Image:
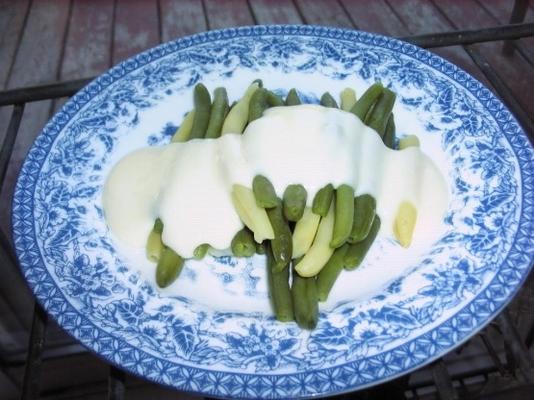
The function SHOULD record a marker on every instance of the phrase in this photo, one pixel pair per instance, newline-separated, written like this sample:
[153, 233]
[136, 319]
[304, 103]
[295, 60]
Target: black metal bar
[506, 95]
[32, 373]
[518, 15]
[42, 92]
[9, 139]
[520, 352]
[463, 37]
[530, 337]
[493, 354]
[443, 381]
[116, 384]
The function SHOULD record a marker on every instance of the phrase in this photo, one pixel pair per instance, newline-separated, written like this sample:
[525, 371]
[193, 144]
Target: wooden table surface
[43, 41]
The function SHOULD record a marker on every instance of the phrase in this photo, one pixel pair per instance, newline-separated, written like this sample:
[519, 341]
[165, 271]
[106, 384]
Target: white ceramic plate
[218, 337]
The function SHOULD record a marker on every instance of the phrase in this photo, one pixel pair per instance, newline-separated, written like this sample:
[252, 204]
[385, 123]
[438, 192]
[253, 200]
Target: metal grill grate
[518, 370]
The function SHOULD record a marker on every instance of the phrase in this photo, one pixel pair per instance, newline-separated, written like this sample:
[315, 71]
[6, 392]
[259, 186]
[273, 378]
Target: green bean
[282, 244]
[409, 141]
[322, 200]
[279, 289]
[348, 99]
[292, 98]
[169, 267]
[264, 192]
[330, 272]
[357, 251]
[304, 232]
[183, 133]
[243, 244]
[154, 244]
[344, 215]
[258, 104]
[260, 248]
[378, 117]
[273, 99]
[389, 136]
[294, 202]
[368, 99]
[259, 82]
[328, 101]
[219, 110]
[305, 305]
[237, 117]
[200, 251]
[364, 215]
[202, 101]
[252, 215]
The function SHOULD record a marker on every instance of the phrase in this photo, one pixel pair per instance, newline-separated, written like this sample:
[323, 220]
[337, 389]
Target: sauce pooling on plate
[188, 185]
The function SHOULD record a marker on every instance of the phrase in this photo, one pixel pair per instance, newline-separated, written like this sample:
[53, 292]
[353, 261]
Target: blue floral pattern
[73, 267]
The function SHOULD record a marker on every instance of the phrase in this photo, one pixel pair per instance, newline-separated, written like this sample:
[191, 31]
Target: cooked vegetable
[253, 216]
[367, 101]
[328, 101]
[281, 245]
[320, 251]
[169, 267]
[219, 110]
[389, 136]
[279, 289]
[260, 248]
[243, 244]
[274, 100]
[378, 117]
[304, 295]
[264, 192]
[154, 244]
[404, 224]
[304, 232]
[348, 99]
[328, 275]
[184, 131]
[258, 104]
[237, 118]
[292, 98]
[294, 202]
[200, 252]
[364, 215]
[408, 141]
[322, 200]
[357, 251]
[202, 100]
[344, 215]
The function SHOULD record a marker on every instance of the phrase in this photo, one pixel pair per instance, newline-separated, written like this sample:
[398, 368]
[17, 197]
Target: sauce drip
[188, 185]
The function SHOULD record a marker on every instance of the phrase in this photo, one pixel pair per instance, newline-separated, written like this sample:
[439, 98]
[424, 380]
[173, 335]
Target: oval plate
[218, 337]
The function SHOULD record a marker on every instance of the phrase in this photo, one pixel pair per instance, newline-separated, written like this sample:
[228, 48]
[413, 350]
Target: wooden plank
[12, 18]
[375, 16]
[227, 13]
[88, 44]
[421, 17]
[501, 10]
[514, 70]
[275, 12]
[136, 28]
[11, 25]
[37, 60]
[324, 12]
[181, 18]
[41, 46]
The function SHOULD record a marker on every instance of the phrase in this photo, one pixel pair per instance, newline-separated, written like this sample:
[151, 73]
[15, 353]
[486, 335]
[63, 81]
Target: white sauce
[188, 185]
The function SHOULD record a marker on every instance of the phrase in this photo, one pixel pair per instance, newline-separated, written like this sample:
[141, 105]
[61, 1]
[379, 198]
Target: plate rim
[54, 126]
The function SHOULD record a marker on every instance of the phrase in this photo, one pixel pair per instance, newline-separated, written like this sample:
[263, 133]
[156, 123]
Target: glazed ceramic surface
[215, 333]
